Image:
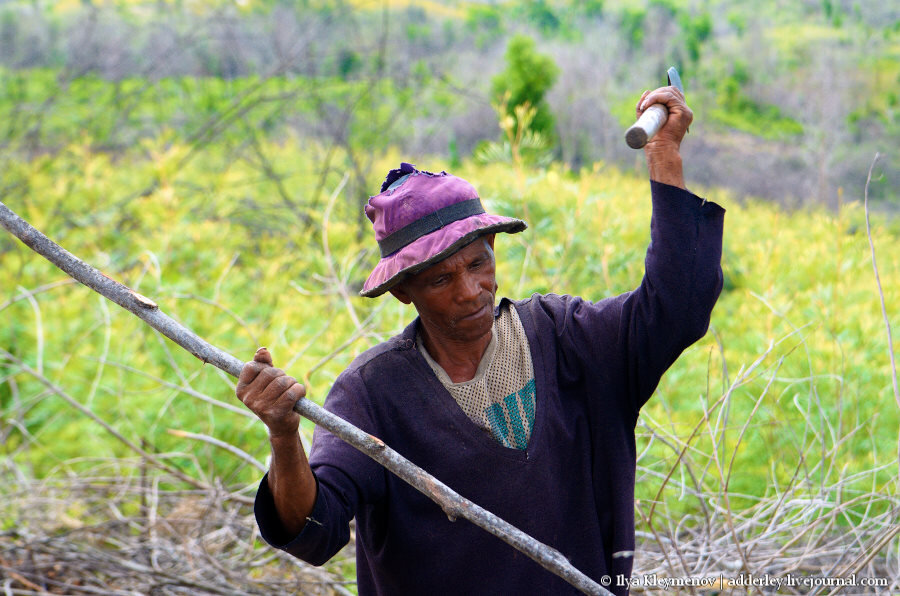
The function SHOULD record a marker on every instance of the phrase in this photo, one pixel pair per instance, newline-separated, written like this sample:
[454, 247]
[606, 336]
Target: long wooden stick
[453, 504]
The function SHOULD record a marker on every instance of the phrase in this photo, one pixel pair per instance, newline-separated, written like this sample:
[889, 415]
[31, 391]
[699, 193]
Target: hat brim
[431, 248]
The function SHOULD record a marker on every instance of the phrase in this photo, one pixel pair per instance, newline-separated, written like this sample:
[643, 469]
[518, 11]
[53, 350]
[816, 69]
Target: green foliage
[878, 109]
[667, 7]
[348, 62]
[632, 26]
[41, 111]
[589, 8]
[541, 14]
[832, 12]
[527, 78]
[736, 110]
[485, 16]
[738, 21]
[417, 32]
[787, 45]
[486, 20]
[205, 246]
[522, 144]
[696, 31]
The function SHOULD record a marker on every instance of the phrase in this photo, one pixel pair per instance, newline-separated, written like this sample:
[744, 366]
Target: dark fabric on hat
[429, 223]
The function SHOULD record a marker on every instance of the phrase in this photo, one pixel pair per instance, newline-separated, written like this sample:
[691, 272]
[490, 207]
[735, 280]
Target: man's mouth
[475, 314]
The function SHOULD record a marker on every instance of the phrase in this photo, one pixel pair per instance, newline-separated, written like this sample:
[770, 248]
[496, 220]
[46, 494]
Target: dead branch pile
[114, 533]
[125, 529]
[783, 541]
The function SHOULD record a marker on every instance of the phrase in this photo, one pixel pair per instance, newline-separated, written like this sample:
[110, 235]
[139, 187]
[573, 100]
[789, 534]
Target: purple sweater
[595, 365]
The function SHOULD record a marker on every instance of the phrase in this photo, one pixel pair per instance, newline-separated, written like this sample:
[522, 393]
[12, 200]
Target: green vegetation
[767, 78]
[526, 80]
[741, 113]
[216, 247]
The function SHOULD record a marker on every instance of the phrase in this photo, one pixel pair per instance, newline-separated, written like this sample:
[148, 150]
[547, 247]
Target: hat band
[427, 224]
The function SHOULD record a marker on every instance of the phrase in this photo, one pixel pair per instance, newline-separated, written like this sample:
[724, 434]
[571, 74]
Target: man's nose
[468, 287]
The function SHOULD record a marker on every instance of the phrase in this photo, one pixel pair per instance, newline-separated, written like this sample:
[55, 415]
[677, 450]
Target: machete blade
[674, 79]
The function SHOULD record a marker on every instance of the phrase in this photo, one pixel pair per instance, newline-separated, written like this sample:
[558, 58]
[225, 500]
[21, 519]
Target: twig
[24, 294]
[453, 504]
[240, 453]
[240, 321]
[39, 331]
[341, 286]
[182, 389]
[887, 323]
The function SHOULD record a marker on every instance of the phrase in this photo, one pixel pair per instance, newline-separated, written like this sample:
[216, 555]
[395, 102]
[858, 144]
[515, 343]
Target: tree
[527, 78]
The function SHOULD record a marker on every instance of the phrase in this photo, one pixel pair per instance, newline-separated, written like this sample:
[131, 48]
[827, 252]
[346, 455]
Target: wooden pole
[453, 504]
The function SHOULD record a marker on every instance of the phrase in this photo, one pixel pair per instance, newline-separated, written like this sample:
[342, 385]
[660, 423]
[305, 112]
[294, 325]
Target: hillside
[793, 99]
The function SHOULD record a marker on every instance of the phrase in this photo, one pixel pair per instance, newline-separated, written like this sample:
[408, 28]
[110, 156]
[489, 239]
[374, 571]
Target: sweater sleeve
[671, 308]
[346, 480]
[626, 342]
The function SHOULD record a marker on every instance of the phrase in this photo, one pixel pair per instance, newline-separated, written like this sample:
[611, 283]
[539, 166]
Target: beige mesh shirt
[500, 398]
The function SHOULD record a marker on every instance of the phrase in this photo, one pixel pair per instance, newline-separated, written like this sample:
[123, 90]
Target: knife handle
[646, 126]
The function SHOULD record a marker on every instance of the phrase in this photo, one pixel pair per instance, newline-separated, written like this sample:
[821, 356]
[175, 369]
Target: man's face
[455, 297]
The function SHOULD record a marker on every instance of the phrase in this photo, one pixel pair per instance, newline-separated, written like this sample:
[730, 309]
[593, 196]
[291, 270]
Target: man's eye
[439, 281]
[476, 264]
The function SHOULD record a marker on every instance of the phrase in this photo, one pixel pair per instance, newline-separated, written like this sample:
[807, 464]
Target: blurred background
[216, 155]
[792, 98]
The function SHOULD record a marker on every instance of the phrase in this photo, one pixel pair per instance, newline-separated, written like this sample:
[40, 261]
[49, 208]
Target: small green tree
[527, 77]
[522, 145]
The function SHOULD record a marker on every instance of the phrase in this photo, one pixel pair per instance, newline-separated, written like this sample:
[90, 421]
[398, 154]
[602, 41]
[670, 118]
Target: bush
[527, 78]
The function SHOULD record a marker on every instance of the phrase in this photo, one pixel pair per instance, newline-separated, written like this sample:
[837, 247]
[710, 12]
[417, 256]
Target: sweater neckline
[486, 359]
[489, 444]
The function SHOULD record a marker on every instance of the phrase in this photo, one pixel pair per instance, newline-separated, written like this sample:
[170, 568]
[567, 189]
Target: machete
[653, 117]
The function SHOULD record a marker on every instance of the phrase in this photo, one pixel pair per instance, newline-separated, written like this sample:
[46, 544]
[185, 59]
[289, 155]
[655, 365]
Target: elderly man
[528, 407]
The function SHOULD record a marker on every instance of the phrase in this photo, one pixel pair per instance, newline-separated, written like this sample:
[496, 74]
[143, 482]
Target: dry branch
[454, 505]
[887, 322]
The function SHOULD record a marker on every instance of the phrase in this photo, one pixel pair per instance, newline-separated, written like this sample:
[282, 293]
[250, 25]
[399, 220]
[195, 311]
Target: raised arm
[683, 275]
[634, 337]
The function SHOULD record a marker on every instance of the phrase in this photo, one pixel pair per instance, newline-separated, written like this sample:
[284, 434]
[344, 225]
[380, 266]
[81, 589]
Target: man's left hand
[663, 155]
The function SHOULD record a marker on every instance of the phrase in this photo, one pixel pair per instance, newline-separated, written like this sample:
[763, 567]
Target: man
[527, 408]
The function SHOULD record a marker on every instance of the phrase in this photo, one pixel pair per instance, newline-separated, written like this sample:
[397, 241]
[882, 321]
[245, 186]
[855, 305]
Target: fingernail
[260, 350]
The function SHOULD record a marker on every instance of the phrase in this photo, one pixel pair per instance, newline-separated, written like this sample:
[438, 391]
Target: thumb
[263, 356]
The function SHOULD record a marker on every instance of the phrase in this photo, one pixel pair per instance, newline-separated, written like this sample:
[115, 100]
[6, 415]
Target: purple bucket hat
[421, 218]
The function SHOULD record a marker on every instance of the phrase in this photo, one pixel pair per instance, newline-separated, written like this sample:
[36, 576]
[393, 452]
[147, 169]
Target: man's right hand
[270, 394]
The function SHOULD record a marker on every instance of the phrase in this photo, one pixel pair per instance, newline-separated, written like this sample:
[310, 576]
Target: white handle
[646, 126]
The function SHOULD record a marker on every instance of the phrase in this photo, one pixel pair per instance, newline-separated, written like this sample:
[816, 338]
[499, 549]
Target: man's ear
[400, 294]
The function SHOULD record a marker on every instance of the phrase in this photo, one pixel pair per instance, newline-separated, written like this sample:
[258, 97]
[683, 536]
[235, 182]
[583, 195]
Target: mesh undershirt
[500, 397]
